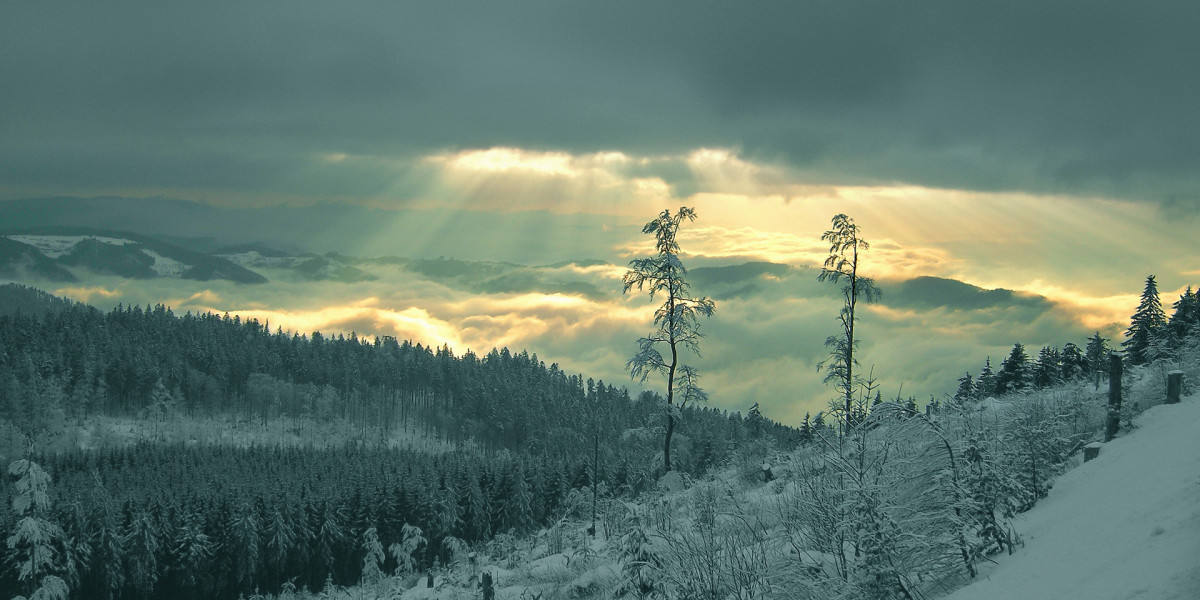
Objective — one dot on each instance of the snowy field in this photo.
(163, 266)
(1123, 526)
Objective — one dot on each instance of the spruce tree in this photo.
(1096, 358)
(142, 548)
(966, 389)
(754, 420)
(1146, 324)
(246, 539)
(1072, 364)
(1045, 369)
(279, 539)
(985, 386)
(36, 547)
(1014, 373)
(1184, 318)
(372, 568)
(191, 553)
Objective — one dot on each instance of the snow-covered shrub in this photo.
(748, 460)
(404, 551)
(641, 571)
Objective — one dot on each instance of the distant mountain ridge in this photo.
(47, 252)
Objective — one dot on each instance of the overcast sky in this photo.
(1046, 147)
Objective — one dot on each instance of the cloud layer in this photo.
(762, 346)
(260, 101)
(1047, 148)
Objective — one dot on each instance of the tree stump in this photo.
(1114, 397)
(1174, 386)
(1091, 451)
(489, 591)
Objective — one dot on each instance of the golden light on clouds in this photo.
(504, 160)
(763, 212)
(361, 317)
(513, 179)
(1086, 257)
(86, 294)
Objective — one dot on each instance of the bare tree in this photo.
(845, 244)
(677, 320)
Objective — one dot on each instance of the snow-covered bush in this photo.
(749, 459)
(641, 571)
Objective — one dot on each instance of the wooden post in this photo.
(1174, 386)
(489, 591)
(1114, 397)
(595, 476)
(1091, 451)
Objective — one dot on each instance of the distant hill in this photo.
(45, 251)
(18, 260)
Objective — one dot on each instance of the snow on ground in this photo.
(163, 266)
(1123, 526)
(54, 246)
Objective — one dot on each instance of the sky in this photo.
(1048, 148)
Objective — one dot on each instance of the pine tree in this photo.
(1014, 373)
(329, 536)
(107, 576)
(1096, 358)
(1185, 317)
(141, 558)
(405, 551)
(1146, 324)
(191, 553)
(966, 389)
(279, 539)
(986, 385)
(806, 431)
(372, 570)
(1073, 364)
(37, 545)
(1045, 368)
(244, 535)
(754, 420)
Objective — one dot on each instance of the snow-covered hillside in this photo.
(67, 256)
(1125, 525)
(56, 246)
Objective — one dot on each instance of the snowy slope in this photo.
(55, 246)
(1125, 525)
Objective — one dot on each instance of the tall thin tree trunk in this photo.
(670, 382)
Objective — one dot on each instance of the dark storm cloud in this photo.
(1093, 97)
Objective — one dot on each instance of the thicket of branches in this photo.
(906, 503)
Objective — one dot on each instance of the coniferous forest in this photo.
(187, 519)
